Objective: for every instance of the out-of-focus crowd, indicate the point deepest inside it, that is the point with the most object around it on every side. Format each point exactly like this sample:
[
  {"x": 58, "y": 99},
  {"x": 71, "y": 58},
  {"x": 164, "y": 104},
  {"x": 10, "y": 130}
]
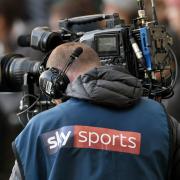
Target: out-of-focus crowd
[{"x": 18, "y": 17}]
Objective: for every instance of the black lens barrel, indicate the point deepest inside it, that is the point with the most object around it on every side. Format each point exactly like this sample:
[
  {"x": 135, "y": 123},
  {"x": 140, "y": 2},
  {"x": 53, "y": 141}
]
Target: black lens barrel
[{"x": 12, "y": 70}]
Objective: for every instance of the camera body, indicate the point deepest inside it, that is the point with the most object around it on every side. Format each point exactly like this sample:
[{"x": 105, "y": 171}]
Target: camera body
[
  {"x": 142, "y": 48},
  {"x": 110, "y": 44}
]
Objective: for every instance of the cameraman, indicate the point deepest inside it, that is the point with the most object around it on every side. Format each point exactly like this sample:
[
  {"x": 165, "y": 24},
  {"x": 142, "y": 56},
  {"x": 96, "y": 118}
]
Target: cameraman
[{"x": 104, "y": 131}]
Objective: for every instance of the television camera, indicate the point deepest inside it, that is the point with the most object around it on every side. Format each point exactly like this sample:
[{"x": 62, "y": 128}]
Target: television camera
[{"x": 143, "y": 47}]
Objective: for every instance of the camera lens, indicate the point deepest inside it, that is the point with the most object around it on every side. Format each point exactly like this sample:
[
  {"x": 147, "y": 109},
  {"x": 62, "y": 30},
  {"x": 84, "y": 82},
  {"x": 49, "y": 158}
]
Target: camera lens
[
  {"x": 49, "y": 41},
  {"x": 12, "y": 70},
  {"x": 44, "y": 40}
]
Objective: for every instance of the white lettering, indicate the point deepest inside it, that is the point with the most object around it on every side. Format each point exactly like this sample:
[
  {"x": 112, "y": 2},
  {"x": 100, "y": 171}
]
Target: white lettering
[
  {"x": 58, "y": 138},
  {"x": 114, "y": 139},
  {"x": 65, "y": 138},
  {"x": 133, "y": 144},
  {"x": 91, "y": 141},
  {"x": 52, "y": 142},
  {"x": 84, "y": 137},
  {"x": 122, "y": 140},
  {"x": 107, "y": 138}
]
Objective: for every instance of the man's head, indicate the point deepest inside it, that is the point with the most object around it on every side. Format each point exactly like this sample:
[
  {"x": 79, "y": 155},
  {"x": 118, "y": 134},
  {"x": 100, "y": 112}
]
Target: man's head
[{"x": 86, "y": 61}]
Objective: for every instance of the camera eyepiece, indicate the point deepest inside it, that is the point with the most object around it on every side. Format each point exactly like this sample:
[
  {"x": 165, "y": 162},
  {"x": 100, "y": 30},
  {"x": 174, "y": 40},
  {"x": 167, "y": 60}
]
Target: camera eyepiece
[{"x": 41, "y": 38}]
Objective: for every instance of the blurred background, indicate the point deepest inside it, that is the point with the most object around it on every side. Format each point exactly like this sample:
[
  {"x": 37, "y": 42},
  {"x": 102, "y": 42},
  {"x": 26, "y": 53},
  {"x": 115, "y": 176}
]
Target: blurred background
[{"x": 18, "y": 17}]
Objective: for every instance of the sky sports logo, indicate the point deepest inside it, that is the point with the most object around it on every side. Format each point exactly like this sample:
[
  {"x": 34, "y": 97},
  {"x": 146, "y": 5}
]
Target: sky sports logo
[{"x": 93, "y": 138}]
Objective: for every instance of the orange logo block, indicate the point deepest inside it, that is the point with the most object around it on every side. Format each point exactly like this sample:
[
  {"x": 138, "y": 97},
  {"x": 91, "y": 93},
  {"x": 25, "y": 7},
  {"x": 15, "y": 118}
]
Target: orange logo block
[{"x": 107, "y": 139}]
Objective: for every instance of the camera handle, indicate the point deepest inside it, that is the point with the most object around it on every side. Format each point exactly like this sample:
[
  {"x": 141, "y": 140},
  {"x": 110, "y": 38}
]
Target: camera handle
[{"x": 67, "y": 23}]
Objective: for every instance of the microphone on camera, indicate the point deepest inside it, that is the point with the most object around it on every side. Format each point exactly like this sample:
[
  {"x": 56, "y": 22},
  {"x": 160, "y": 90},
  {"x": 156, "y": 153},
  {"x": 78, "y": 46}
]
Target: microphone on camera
[
  {"x": 24, "y": 40},
  {"x": 75, "y": 55}
]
